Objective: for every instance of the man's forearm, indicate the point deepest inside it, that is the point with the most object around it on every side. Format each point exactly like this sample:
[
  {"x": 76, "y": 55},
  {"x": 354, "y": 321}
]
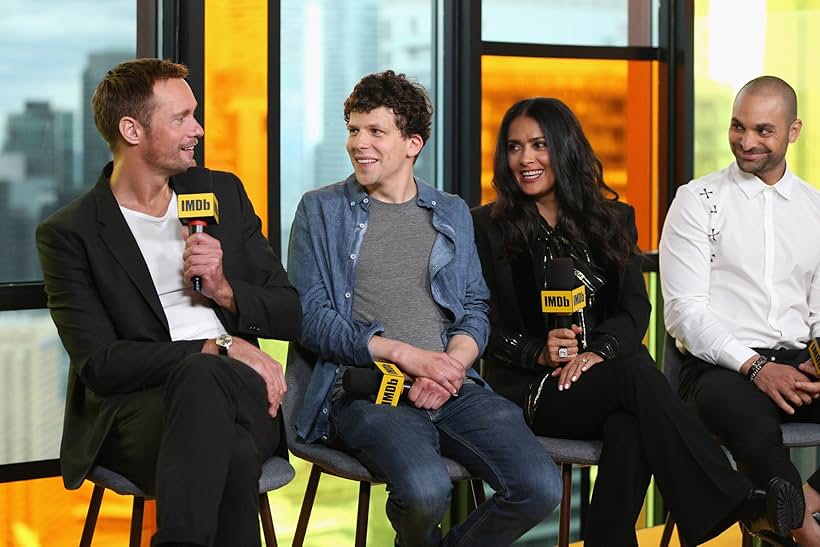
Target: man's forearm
[
  {"x": 386, "y": 349},
  {"x": 224, "y": 298},
  {"x": 464, "y": 349}
]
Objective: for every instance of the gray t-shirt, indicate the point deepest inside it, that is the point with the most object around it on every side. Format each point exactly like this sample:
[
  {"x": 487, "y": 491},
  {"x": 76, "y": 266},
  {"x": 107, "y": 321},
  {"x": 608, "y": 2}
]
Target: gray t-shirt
[
  {"x": 393, "y": 275},
  {"x": 393, "y": 278}
]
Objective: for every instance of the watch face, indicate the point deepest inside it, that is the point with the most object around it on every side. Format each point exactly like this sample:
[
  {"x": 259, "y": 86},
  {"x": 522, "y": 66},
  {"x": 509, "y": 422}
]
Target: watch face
[{"x": 224, "y": 342}]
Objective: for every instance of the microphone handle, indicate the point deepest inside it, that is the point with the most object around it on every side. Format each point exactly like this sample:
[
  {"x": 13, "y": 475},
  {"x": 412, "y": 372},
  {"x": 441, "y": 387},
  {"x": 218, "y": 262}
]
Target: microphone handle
[
  {"x": 561, "y": 320},
  {"x": 196, "y": 227}
]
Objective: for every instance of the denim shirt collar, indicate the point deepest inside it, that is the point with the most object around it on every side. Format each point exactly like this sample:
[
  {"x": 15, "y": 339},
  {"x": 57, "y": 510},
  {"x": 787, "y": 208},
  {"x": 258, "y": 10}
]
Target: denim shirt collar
[{"x": 357, "y": 195}]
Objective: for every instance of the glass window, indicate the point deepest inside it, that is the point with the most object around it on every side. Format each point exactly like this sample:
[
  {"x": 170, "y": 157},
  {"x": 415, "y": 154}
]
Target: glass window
[
  {"x": 571, "y": 22},
  {"x": 52, "y": 54},
  {"x": 33, "y": 373},
  {"x": 327, "y": 46},
  {"x": 784, "y": 38}
]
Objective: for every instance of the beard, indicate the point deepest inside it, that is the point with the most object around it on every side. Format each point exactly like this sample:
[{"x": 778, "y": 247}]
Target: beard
[
  {"x": 760, "y": 166},
  {"x": 165, "y": 160}
]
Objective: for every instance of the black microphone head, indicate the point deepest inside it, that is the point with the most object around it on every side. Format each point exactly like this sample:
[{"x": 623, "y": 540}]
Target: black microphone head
[
  {"x": 361, "y": 381},
  {"x": 562, "y": 274}
]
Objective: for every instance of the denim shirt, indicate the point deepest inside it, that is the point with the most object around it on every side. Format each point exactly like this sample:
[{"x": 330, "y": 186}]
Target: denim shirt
[{"x": 325, "y": 239}]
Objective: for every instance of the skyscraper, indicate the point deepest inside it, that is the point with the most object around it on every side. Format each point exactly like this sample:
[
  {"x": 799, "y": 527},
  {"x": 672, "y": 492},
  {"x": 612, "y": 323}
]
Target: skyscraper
[
  {"x": 95, "y": 150},
  {"x": 45, "y": 138}
]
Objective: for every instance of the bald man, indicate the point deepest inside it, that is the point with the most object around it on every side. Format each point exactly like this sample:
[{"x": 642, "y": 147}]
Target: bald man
[{"x": 740, "y": 271}]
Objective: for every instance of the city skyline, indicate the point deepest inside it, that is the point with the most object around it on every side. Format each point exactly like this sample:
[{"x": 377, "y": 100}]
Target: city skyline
[{"x": 42, "y": 57}]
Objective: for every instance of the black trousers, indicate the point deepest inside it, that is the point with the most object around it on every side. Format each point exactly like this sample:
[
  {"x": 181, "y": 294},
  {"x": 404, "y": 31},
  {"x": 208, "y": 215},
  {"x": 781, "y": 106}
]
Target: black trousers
[
  {"x": 745, "y": 419},
  {"x": 198, "y": 444},
  {"x": 646, "y": 429}
]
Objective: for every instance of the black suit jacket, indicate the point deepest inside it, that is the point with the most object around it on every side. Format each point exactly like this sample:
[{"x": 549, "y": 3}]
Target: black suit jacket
[
  {"x": 516, "y": 339},
  {"x": 108, "y": 313}
]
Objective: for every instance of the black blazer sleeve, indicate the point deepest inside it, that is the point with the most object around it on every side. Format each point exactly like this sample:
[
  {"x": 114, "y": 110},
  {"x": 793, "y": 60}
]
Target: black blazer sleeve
[
  {"x": 267, "y": 304},
  {"x": 509, "y": 344},
  {"x": 627, "y": 306}
]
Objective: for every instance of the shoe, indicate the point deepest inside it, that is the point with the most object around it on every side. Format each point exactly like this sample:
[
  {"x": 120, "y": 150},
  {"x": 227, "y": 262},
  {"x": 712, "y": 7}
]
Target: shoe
[{"x": 777, "y": 511}]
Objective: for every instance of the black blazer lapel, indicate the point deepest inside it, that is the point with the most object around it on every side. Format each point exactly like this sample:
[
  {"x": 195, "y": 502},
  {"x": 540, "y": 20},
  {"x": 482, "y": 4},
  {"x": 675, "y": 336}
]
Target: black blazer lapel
[{"x": 116, "y": 235}]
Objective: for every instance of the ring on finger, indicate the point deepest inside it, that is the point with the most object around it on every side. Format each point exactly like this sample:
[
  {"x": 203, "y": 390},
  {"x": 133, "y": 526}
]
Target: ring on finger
[{"x": 563, "y": 352}]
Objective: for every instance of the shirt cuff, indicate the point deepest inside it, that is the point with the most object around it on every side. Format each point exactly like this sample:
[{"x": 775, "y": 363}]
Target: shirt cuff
[{"x": 734, "y": 354}]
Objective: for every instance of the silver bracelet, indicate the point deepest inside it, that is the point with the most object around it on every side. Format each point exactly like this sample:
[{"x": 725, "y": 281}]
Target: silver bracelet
[{"x": 756, "y": 366}]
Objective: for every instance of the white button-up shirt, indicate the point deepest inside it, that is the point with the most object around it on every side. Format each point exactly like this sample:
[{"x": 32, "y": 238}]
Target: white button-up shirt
[{"x": 740, "y": 265}]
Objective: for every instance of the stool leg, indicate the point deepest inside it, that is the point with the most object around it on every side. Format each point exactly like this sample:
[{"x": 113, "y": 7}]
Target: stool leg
[
  {"x": 585, "y": 480},
  {"x": 91, "y": 516},
  {"x": 668, "y": 528},
  {"x": 747, "y": 538},
  {"x": 267, "y": 520},
  {"x": 136, "y": 522},
  {"x": 362, "y": 514},
  {"x": 566, "y": 504},
  {"x": 477, "y": 490},
  {"x": 307, "y": 506}
]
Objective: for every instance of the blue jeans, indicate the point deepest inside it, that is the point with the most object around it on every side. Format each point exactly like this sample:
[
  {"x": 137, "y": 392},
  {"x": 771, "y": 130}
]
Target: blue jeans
[{"x": 481, "y": 430}]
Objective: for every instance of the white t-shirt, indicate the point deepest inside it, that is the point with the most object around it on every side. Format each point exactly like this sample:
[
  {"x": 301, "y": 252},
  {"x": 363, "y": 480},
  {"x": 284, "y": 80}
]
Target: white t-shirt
[
  {"x": 740, "y": 265},
  {"x": 190, "y": 316}
]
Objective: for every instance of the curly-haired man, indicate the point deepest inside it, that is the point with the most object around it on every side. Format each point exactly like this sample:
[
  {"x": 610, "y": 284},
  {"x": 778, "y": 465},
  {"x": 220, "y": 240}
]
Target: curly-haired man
[{"x": 387, "y": 270}]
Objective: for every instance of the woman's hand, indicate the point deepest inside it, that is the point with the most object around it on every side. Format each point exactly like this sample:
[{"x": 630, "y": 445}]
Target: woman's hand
[
  {"x": 577, "y": 366},
  {"x": 557, "y": 339}
]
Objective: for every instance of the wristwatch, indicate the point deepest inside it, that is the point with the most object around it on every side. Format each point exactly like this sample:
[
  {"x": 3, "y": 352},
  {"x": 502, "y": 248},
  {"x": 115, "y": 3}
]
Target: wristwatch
[{"x": 223, "y": 343}]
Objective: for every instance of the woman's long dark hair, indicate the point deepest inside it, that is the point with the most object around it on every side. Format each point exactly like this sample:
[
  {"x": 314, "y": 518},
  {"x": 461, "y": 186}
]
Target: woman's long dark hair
[{"x": 586, "y": 209}]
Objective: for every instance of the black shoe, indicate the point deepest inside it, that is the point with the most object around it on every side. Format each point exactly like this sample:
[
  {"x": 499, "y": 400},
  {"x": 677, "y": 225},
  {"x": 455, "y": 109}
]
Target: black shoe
[{"x": 778, "y": 510}]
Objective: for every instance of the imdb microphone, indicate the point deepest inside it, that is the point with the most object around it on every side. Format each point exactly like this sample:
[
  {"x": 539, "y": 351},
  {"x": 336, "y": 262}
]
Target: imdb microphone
[
  {"x": 197, "y": 211},
  {"x": 391, "y": 386},
  {"x": 564, "y": 298}
]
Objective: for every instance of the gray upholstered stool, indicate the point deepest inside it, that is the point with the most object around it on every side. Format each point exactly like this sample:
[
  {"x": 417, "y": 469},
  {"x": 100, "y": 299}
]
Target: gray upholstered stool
[
  {"x": 276, "y": 472},
  {"x": 336, "y": 462},
  {"x": 568, "y": 453}
]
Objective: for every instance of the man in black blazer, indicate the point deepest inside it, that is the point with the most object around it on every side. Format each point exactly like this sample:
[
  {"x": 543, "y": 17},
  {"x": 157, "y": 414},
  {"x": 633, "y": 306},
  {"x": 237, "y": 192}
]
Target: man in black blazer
[{"x": 167, "y": 386}]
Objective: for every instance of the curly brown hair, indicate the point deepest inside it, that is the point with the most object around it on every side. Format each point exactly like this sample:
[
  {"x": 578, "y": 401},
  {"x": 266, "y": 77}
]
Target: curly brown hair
[
  {"x": 408, "y": 101},
  {"x": 128, "y": 90}
]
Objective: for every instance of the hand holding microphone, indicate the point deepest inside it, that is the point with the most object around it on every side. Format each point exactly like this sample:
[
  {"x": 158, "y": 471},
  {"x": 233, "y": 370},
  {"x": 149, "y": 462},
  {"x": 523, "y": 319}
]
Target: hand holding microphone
[
  {"x": 386, "y": 385},
  {"x": 565, "y": 296},
  {"x": 202, "y": 258},
  {"x": 385, "y": 382},
  {"x": 197, "y": 211}
]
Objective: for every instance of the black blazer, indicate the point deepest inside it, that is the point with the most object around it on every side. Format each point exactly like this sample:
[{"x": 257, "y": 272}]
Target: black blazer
[
  {"x": 509, "y": 362},
  {"x": 110, "y": 319}
]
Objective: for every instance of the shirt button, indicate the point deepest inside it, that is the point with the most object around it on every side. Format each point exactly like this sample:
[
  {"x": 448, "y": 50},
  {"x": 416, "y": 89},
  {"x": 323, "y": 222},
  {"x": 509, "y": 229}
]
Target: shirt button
[
  {"x": 324, "y": 411},
  {"x": 361, "y": 225},
  {"x": 352, "y": 257},
  {"x": 366, "y": 200},
  {"x": 352, "y": 203},
  {"x": 433, "y": 202},
  {"x": 347, "y": 295},
  {"x": 324, "y": 437}
]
